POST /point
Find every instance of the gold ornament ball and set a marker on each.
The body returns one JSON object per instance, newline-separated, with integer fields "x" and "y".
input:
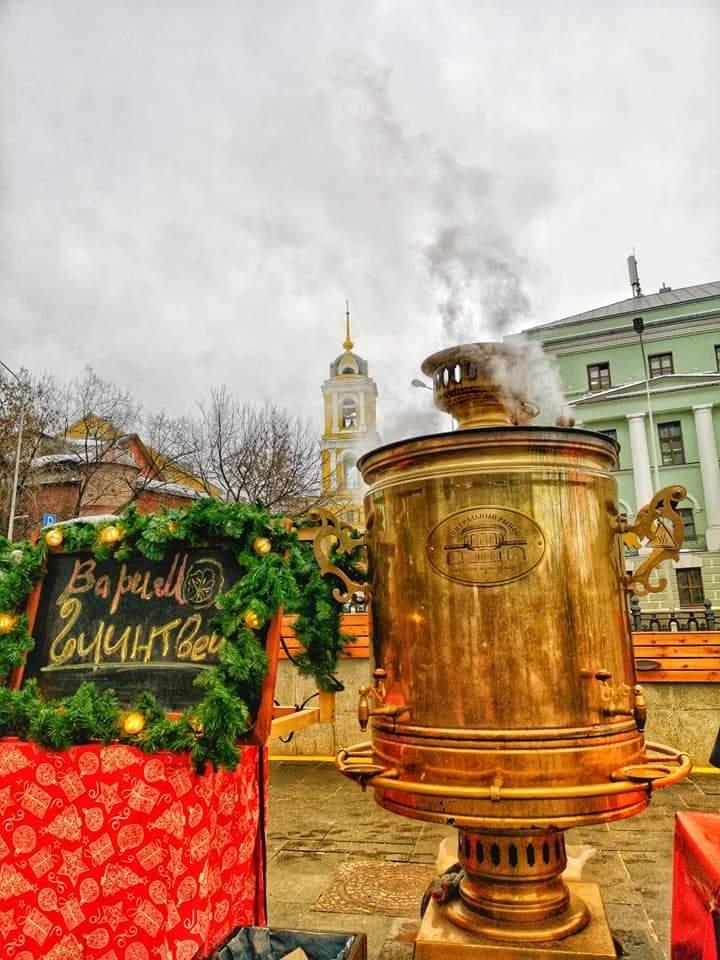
{"x": 171, "y": 526}
{"x": 133, "y": 723}
{"x": 262, "y": 546}
{"x": 252, "y": 620}
{"x": 111, "y": 534}
{"x": 7, "y": 622}
{"x": 54, "y": 537}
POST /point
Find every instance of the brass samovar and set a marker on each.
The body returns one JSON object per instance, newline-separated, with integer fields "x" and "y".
{"x": 505, "y": 701}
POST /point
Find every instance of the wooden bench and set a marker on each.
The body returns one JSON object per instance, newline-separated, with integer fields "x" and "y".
{"x": 660, "y": 657}
{"x": 354, "y": 624}
{"x": 677, "y": 657}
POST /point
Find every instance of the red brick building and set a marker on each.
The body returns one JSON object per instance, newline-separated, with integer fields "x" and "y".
{"x": 94, "y": 470}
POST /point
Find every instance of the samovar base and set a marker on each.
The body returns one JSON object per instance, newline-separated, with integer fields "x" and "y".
{"x": 571, "y": 921}
{"x": 441, "y": 938}
{"x": 512, "y": 886}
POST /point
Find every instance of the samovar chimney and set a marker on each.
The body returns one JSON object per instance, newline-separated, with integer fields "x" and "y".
{"x": 479, "y": 386}
{"x": 504, "y": 699}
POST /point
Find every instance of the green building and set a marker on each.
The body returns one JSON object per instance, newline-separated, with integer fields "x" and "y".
{"x": 673, "y": 439}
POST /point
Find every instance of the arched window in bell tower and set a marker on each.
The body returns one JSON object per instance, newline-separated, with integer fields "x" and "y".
{"x": 349, "y": 365}
{"x": 349, "y": 413}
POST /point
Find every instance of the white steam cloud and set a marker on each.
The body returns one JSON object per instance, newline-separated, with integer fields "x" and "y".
{"x": 459, "y": 218}
{"x": 533, "y": 377}
{"x": 478, "y": 292}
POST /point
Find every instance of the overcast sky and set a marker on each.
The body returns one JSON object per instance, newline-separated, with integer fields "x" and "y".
{"x": 191, "y": 188}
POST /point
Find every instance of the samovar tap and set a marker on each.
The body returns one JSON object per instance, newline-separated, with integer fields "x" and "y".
{"x": 377, "y": 692}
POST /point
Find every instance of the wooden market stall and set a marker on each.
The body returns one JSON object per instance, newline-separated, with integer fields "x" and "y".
{"x": 133, "y": 757}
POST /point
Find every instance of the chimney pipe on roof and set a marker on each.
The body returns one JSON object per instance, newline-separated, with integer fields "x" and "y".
{"x": 634, "y": 279}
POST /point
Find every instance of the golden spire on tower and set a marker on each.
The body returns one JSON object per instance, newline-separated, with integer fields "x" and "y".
{"x": 347, "y": 343}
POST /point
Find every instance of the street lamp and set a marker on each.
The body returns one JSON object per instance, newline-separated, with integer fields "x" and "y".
{"x": 13, "y": 497}
{"x": 426, "y": 386}
{"x": 638, "y": 327}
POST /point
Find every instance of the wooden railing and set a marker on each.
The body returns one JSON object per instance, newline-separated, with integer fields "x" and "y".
{"x": 660, "y": 657}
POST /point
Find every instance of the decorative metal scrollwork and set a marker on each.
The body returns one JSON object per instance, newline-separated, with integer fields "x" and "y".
{"x": 331, "y": 534}
{"x": 660, "y": 525}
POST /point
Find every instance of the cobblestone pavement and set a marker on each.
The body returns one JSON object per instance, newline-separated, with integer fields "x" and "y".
{"x": 318, "y": 820}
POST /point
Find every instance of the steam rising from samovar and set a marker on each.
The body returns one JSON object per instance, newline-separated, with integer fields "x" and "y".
{"x": 505, "y": 701}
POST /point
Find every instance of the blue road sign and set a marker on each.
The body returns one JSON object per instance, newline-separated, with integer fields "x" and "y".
{"x": 49, "y": 518}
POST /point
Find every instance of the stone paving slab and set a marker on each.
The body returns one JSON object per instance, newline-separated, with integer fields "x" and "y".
{"x": 318, "y": 820}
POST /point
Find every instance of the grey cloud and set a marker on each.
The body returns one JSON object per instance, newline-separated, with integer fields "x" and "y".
{"x": 190, "y": 190}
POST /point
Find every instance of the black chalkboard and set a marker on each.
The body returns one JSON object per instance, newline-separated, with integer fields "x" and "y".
{"x": 133, "y": 626}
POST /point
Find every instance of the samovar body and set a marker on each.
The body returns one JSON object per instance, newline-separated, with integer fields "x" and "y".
{"x": 505, "y": 701}
{"x": 499, "y": 616}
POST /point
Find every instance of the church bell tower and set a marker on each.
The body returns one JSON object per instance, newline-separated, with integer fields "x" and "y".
{"x": 349, "y": 428}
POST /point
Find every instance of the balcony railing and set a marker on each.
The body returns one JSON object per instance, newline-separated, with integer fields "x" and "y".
{"x": 643, "y": 621}
{"x": 672, "y": 622}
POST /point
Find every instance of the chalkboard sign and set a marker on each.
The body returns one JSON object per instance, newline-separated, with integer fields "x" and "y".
{"x": 133, "y": 626}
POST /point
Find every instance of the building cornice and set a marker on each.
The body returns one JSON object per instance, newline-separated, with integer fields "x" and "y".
{"x": 349, "y": 384}
{"x": 638, "y": 390}
{"x": 363, "y": 441}
{"x": 618, "y": 336}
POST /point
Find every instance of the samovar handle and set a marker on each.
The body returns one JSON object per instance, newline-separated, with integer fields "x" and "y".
{"x": 332, "y": 534}
{"x": 660, "y": 524}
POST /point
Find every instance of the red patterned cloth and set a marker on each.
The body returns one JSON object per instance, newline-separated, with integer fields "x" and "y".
{"x": 696, "y": 887}
{"x": 108, "y": 853}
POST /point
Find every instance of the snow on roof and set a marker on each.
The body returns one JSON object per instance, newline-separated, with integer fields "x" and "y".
{"x": 49, "y": 459}
{"x": 91, "y": 518}
{"x": 165, "y": 486}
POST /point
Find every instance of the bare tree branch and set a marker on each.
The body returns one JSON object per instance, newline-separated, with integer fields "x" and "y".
{"x": 37, "y": 398}
{"x": 98, "y": 416}
{"x": 259, "y": 454}
{"x": 87, "y": 447}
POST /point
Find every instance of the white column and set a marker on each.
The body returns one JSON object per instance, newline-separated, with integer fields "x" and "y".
{"x": 709, "y": 471}
{"x": 362, "y": 401}
{"x": 640, "y": 460}
{"x": 335, "y": 421}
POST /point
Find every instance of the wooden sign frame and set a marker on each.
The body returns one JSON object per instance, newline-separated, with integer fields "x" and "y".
{"x": 219, "y": 556}
{"x": 270, "y": 719}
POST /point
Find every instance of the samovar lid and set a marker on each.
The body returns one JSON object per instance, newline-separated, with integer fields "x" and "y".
{"x": 528, "y": 445}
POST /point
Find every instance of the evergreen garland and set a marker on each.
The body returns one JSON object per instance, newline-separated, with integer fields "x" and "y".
{"x": 287, "y": 577}
{"x": 21, "y": 565}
